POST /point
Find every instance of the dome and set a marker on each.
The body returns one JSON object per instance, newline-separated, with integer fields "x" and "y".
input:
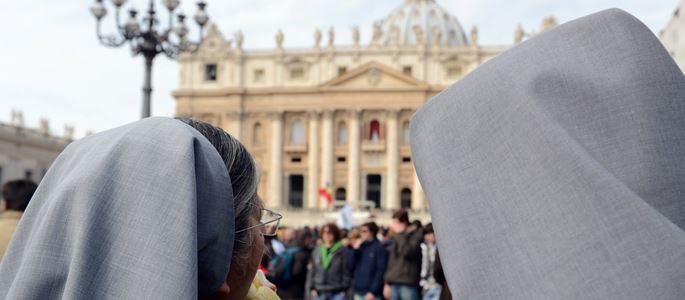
{"x": 419, "y": 21}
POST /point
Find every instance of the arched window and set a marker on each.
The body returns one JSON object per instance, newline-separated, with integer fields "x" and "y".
{"x": 340, "y": 194}
{"x": 405, "y": 132}
{"x": 257, "y": 134}
{"x": 342, "y": 134}
{"x": 297, "y": 134}
{"x": 405, "y": 198}
{"x": 375, "y": 131}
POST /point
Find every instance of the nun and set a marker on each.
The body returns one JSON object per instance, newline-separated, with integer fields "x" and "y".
{"x": 158, "y": 209}
{"x": 557, "y": 169}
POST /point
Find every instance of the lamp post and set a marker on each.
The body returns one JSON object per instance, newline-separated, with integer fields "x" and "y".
{"x": 146, "y": 39}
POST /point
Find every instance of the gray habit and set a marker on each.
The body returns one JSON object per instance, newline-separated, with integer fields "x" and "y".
{"x": 143, "y": 211}
{"x": 557, "y": 169}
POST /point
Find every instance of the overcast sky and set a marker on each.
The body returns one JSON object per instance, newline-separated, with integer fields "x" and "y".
{"x": 51, "y": 65}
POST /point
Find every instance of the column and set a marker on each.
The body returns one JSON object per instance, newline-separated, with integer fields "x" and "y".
{"x": 235, "y": 122}
{"x": 327, "y": 150}
{"x": 418, "y": 201}
{"x": 392, "y": 192}
{"x": 353, "y": 163}
{"x": 313, "y": 161}
{"x": 276, "y": 166}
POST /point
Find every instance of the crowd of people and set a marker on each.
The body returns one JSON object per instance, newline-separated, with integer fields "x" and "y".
{"x": 367, "y": 262}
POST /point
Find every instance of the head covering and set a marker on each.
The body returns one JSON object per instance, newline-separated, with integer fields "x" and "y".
{"x": 557, "y": 169}
{"x": 143, "y": 211}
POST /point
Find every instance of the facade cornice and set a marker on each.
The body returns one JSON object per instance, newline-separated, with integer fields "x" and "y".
{"x": 224, "y": 92}
{"x": 347, "y": 51}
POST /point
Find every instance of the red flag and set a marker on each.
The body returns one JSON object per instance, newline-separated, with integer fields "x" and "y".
{"x": 324, "y": 192}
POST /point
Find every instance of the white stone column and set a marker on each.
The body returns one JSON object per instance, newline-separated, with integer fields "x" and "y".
{"x": 276, "y": 166}
{"x": 327, "y": 150}
{"x": 392, "y": 192}
{"x": 235, "y": 122}
{"x": 313, "y": 161}
{"x": 353, "y": 162}
{"x": 418, "y": 201}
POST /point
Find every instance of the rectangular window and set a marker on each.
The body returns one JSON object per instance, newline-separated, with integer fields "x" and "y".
{"x": 259, "y": 75}
{"x": 210, "y": 72}
{"x": 342, "y": 70}
{"x": 296, "y": 159}
{"x": 297, "y": 73}
{"x": 296, "y": 187}
{"x": 406, "y": 70}
{"x": 341, "y": 159}
{"x": 406, "y": 159}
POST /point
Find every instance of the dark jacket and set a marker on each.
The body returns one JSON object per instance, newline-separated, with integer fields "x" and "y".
{"x": 439, "y": 275}
{"x": 295, "y": 287}
{"x": 404, "y": 264}
{"x": 336, "y": 278}
{"x": 368, "y": 265}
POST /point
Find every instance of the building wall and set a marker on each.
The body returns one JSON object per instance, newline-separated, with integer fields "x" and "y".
{"x": 26, "y": 153}
{"x": 258, "y": 96}
{"x": 673, "y": 35}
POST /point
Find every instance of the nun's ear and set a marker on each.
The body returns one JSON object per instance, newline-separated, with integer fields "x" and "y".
{"x": 222, "y": 293}
{"x": 224, "y": 289}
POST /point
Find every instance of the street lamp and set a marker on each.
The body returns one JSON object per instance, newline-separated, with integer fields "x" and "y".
{"x": 147, "y": 40}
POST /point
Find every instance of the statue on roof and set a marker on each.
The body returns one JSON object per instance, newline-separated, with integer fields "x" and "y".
{"x": 377, "y": 34}
{"x": 44, "y": 126}
{"x": 317, "y": 38}
{"x": 355, "y": 35}
{"x": 331, "y": 37}
{"x": 474, "y": 35}
{"x": 279, "y": 39}
{"x": 548, "y": 23}
{"x": 68, "y": 132}
{"x": 17, "y": 118}
{"x": 239, "y": 39}
{"x": 519, "y": 34}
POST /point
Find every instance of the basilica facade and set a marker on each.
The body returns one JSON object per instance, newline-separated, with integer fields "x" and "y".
{"x": 328, "y": 118}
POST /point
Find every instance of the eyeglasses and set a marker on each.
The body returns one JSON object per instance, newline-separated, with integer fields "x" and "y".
{"x": 270, "y": 220}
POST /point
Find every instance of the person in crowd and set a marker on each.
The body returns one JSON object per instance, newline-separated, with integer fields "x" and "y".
{"x": 368, "y": 261}
{"x": 404, "y": 266}
{"x": 158, "y": 209}
{"x": 352, "y": 237}
{"x": 277, "y": 246}
{"x": 289, "y": 235}
{"x": 429, "y": 286}
{"x": 439, "y": 275}
{"x": 16, "y": 195}
{"x": 299, "y": 253}
{"x": 329, "y": 277}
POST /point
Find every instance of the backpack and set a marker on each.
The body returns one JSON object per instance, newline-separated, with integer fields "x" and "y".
{"x": 281, "y": 266}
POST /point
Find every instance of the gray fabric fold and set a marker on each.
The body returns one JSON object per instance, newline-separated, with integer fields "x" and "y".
{"x": 143, "y": 211}
{"x": 557, "y": 169}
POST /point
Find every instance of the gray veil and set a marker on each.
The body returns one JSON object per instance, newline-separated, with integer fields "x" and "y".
{"x": 557, "y": 169}
{"x": 143, "y": 211}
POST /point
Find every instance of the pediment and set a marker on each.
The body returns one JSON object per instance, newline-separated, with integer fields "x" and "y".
{"x": 374, "y": 75}
{"x": 214, "y": 42}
